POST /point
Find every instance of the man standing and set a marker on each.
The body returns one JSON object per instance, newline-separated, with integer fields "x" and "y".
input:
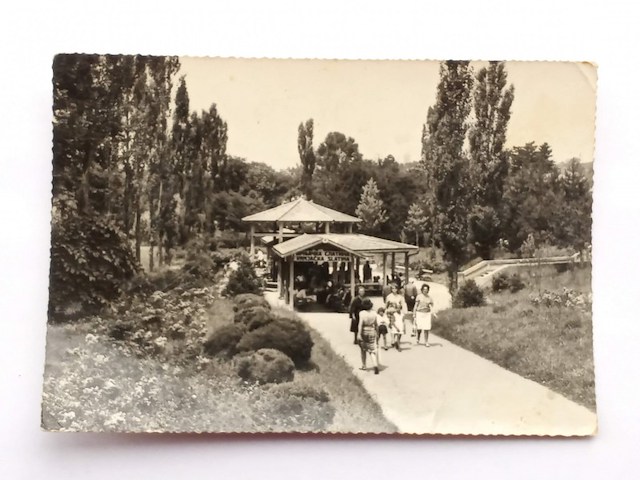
{"x": 366, "y": 272}
{"x": 354, "y": 313}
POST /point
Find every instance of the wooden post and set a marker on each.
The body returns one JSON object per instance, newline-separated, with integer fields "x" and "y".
{"x": 252, "y": 249}
{"x": 280, "y": 232}
{"x": 384, "y": 269}
{"x": 406, "y": 267}
{"x": 280, "y": 278}
{"x": 358, "y": 268}
{"x": 351, "y": 228}
{"x": 393, "y": 263}
{"x": 291, "y": 279}
{"x": 327, "y": 227}
{"x": 352, "y": 277}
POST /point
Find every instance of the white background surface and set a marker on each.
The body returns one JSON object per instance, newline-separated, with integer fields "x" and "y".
{"x": 32, "y": 32}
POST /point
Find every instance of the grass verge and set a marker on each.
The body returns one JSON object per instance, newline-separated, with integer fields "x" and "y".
{"x": 551, "y": 345}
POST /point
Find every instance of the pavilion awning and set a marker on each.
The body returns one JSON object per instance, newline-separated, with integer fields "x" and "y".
{"x": 357, "y": 244}
{"x": 301, "y": 210}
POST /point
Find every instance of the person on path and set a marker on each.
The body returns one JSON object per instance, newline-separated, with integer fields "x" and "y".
{"x": 423, "y": 313}
{"x": 396, "y": 306}
{"x": 394, "y": 329}
{"x": 368, "y": 335}
{"x": 410, "y": 295}
{"x": 354, "y": 313}
{"x": 366, "y": 272}
{"x": 383, "y": 326}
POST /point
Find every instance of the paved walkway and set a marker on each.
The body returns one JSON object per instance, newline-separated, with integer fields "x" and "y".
{"x": 445, "y": 389}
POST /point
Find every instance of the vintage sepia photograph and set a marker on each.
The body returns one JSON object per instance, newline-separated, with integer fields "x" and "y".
{"x": 323, "y": 246}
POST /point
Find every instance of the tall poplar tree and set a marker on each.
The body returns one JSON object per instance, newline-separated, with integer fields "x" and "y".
{"x": 489, "y": 166}
{"x": 307, "y": 157}
{"x": 447, "y": 163}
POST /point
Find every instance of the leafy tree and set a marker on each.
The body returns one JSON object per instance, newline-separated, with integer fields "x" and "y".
{"x": 370, "y": 209}
{"x": 489, "y": 165}
{"x": 340, "y": 173}
{"x": 416, "y": 221}
{"x": 532, "y": 196}
{"x": 446, "y": 162}
{"x": 307, "y": 157}
{"x": 574, "y": 219}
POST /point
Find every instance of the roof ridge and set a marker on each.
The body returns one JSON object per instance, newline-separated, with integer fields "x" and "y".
{"x": 293, "y": 205}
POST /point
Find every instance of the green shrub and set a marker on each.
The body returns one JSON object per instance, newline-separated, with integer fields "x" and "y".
{"x": 91, "y": 260}
{"x": 515, "y": 283}
{"x": 469, "y": 295}
{"x": 244, "y": 279}
{"x": 254, "y": 317}
{"x": 249, "y": 300}
{"x": 502, "y": 281}
{"x": 265, "y": 366}
{"x": 301, "y": 390}
{"x": 165, "y": 280}
{"x": 223, "y": 342}
{"x": 289, "y": 336}
{"x": 299, "y": 405}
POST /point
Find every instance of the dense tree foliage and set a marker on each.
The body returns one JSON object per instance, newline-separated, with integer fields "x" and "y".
{"x": 447, "y": 164}
{"x": 489, "y": 164}
{"x": 133, "y": 159}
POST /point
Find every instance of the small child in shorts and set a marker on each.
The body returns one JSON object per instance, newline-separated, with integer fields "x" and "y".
{"x": 383, "y": 327}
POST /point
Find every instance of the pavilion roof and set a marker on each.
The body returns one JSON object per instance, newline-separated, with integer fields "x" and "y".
{"x": 301, "y": 210}
{"x": 355, "y": 243}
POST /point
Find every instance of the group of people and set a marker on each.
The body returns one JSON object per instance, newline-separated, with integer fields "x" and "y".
{"x": 405, "y": 311}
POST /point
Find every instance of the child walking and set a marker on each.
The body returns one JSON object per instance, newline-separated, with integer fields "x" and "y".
{"x": 383, "y": 327}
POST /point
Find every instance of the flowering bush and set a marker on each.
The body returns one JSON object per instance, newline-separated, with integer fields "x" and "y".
{"x": 566, "y": 298}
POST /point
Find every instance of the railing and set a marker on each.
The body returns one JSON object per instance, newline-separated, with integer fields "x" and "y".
{"x": 518, "y": 261}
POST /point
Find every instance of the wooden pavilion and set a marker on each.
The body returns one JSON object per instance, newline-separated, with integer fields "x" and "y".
{"x": 303, "y": 235}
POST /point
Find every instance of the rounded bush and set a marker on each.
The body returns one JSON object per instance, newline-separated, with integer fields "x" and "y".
{"x": 254, "y": 317}
{"x": 500, "y": 282}
{"x": 249, "y": 300}
{"x": 301, "y": 390}
{"x": 469, "y": 295}
{"x": 515, "y": 283}
{"x": 223, "y": 342}
{"x": 287, "y": 335}
{"x": 265, "y": 366}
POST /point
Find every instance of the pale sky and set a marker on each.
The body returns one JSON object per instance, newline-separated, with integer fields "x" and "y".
{"x": 381, "y": 104}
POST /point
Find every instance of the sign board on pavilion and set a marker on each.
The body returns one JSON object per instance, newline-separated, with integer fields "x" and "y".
{"x": 321, "y": 256}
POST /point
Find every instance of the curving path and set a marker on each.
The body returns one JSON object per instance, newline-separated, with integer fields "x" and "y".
{"x": 445, "y": 389}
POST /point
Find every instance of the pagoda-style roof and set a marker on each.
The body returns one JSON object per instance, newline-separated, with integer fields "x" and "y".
{"x": 301, "y": 210}
{"x": 354, "y": 243}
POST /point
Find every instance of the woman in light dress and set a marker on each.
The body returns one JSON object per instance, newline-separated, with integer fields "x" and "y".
{"x": 423, "y": 313}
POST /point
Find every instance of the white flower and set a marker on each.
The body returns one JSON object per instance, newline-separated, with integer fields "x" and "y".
{"x": 115, "y": 419}
{"x": 90, "y": 339}
{"x": 161, "y": 341}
